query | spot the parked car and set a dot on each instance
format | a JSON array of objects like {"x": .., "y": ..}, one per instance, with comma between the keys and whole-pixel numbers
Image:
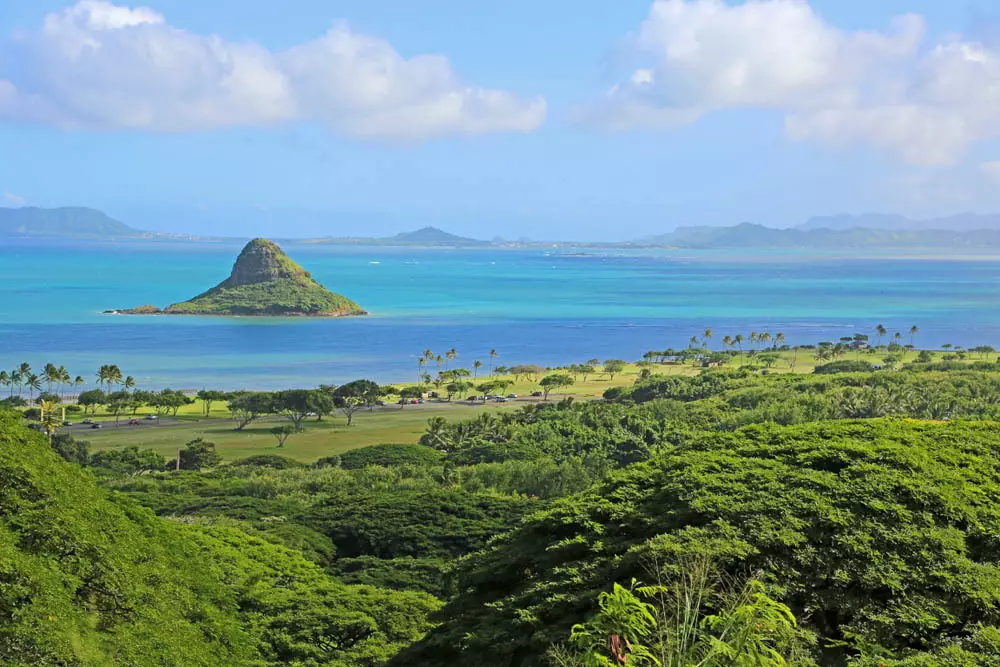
[
  {"x": 537, "y": 393},
  {"x": 88, "y": 420},
  {"x": 67, "y": 423},
  {"x": 97, "y": 426},
  {"x": 511, "y": 395},
  {"x": 380, "y": 403},
  {"x": 501, "y": 399},
  {"x": 152, "y": 417}
]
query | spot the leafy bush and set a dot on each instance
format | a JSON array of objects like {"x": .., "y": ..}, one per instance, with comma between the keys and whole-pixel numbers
[
  {"x": 844, "y": 366},
  {"x": 390, "y": 455}
]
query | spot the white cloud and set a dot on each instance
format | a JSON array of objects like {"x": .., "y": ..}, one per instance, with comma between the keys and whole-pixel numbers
[
  {"x": 840, "y": 87},
  {"x": 11, "y": 200},
  {"x": 97, "y": 65}
]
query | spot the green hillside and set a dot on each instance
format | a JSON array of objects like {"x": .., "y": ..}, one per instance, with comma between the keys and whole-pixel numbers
[{"x": 89, "y": 579}]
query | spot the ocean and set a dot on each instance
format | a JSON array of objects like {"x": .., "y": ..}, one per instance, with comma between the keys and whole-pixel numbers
[{"x": 548, "y": 307}]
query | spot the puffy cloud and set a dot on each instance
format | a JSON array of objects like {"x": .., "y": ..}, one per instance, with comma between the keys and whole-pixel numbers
[
  {"x": 840, "y": 87},
  {"x": 97, "y": 65}
]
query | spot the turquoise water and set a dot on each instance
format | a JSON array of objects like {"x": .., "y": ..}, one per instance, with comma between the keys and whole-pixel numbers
[{"x": 533, "y": 306}]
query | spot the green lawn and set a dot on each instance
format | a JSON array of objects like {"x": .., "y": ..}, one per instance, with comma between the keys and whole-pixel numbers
[{"x": 318, "y": 439}]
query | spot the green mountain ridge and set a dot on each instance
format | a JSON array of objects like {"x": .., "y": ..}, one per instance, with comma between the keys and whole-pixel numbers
[{"x": 264, "y": 282}]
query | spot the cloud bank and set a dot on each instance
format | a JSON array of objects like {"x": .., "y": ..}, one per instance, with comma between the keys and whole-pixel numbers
[
  {"x": 924, "y": 103},
  {"x": 101, "y": 66}
]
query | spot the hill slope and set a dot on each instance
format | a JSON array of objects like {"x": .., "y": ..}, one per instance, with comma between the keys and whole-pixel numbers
[
  {"x": 70, "y": 221},
  {"x": 89, "y": 578},
  {"x": 264, "y": 281}
]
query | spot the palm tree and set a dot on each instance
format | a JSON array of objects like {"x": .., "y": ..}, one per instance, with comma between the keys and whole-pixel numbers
[
  {"x": 50, "y": 420},
  {"x": 727, "y": 341},
  {"x": 16, "y": 379},
  {"x": 693, "y": 341},
  {"x": 765, "y": 338},
  {"x": 50, "y": 374},
  {"x": 476, "y": 365},
  {"x": 128, "y": 383},
  {"x": 753, "y": 338},
  {"x": 428, "y": 354},
  {"x": 109, "y": 374},
  {"x": 779, "y": 339},
  {"x": 451, "y": 354},
  {"x": 439, "y": 360},
  {"x": 421, "y": 364},
  {"x": 493, "y": 355},
  {"x": 739, "y": 343},
  {"x": 913, "y": 332},
  {"x": 34, "y": 383},
  {"x": 880, "y": 331},
  {"x": 4, "y": 379},
  {"x": 78, "y": 382}
]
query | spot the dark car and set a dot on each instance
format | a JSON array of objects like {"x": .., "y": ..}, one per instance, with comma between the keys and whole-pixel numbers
[
  {"x": 67, "y": 423},
  {"x": 97, "y": 426},
  {"x": 536, "y": 393}
]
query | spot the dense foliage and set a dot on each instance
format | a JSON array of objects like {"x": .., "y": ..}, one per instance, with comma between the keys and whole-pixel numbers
[
  {"x": 88, "y": 578},
  {"x": 882, "y": 534}
]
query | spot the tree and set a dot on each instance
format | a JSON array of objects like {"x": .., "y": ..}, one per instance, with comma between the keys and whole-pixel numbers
[
  {"x": 458, "y": 388},
  {"x": 555, "y": 381},
  {"x": 248, "y": 407},
  {"x": 50, "y": 419},
  {"x": 476, "y": 365},
  {"x": 207, "y": 397},
  {"x": 880, "y": 332},
  {"x": 321, "y": 401},
  {"x": 72, "y": 450},
  {"x": 613, "y": 366},
  {"x": 493, "y": 355},
  {"x": 913, "y": 333},
  {"x": 283, "y": 433},
  {"x": 451, "y": 354},
  {"x": 354, "y": 396},
  {"x": 91, "y": 399},
  {"x": 738, "y": 340},
  {"x": 293, "y": 404},
  {"x": 34, "y": 383},
  {"x": 199, "y": 454},
  {"x": 109, "y": 374},
  {"x": 706, "y": 336}
]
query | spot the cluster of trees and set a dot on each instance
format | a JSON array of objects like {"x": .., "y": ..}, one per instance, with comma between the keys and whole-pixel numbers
[{"x": 22, "y": 379}]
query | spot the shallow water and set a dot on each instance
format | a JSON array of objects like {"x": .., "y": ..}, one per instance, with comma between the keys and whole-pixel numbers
[{"x": 533, "y": 306}]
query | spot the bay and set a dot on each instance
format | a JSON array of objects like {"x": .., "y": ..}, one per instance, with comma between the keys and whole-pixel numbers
[{"x": 549, "y": 307}]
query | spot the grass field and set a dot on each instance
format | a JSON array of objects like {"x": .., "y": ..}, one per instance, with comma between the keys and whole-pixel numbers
[{"x": 388, "y": 425}]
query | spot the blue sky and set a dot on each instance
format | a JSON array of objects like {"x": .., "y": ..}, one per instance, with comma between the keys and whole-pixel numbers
[{"x": 564, "y": 119}]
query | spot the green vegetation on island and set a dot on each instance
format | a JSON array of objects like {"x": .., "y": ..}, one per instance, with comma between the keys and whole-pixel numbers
[{"x": 264, "y": 282}]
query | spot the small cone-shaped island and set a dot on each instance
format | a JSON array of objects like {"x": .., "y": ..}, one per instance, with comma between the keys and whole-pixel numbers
[{"x": 264, "y": 282}]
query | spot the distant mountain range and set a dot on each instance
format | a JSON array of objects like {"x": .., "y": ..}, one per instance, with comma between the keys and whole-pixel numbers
[
  {"x": 426, "y": 236},
  {"x": 964, "y": 222},
  {"x": 966, "y": 231},
  {"x": 749, "y": 235},
  {"x": 70, "y": 221}
]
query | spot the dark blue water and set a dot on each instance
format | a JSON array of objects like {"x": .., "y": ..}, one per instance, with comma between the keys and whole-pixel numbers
[{"x": 532, "y": 306}]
